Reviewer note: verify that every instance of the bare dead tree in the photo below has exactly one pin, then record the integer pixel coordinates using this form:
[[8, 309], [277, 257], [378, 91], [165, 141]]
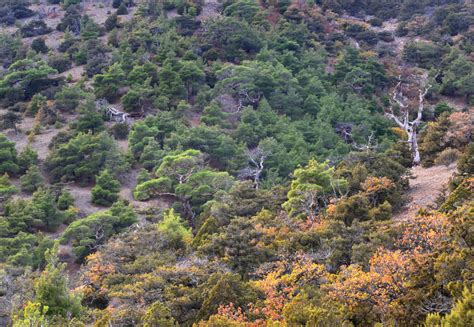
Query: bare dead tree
[[311, 204], [437, 303], [403, 118], [257, 157], [99, 238], [368, 146], [245, 99]]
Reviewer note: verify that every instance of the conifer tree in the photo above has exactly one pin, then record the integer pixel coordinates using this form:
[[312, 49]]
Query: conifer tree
[[106, 190], [32, 179], [8, 156], [52, 291]]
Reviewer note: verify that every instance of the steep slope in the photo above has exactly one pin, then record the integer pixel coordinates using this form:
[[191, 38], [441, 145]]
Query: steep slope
[[425, 186]]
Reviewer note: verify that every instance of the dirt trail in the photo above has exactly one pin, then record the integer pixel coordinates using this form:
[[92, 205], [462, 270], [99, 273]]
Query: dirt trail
[[426, 185]]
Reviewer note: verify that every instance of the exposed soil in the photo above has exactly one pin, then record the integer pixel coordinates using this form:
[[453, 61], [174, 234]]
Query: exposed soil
[[40, 141], [99, 11], [210, 9], [129, 181], [173, 13], [82, 199], [425, 187], [76, 73], [457, 103]]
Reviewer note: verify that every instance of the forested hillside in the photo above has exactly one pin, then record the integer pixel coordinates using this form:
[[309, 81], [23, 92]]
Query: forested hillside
[[216, 163]]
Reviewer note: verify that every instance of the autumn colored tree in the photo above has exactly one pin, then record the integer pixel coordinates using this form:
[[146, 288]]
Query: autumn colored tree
[[372, 295]]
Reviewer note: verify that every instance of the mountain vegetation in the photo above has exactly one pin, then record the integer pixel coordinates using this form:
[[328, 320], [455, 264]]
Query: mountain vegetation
[[216, 163]]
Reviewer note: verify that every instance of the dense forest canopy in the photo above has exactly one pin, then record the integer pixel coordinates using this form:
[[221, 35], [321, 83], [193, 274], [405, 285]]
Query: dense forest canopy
[[236, 163]]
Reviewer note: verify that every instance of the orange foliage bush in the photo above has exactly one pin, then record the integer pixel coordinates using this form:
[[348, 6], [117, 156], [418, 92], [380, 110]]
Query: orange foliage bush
[[426, 233], [378, 288]]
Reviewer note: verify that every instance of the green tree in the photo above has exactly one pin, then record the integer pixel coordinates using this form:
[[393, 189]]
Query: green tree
[[107, 85], [431, 141], [38, 101], [84, 156], [27, 158], [192, 76], [90, 30], [466, 161], [158, 315], [122, 10], [8, 156], [10, 48], [236, 39], [177, 234], [87, 234], [52, 290], [69, 98], [170, 83], [10, 119], [24, 79], [65, 200], [224, 289], [44, 211], [151, 155], [105, 192], [222, 148], [6, 188], [425, 54], [140, 135], [237, 245], [111, 22], [33, 314], [353, 208], [243, 9], [135, 99], [180, 166], [89, 120], [311, 189], [213, 115], [32, 180]]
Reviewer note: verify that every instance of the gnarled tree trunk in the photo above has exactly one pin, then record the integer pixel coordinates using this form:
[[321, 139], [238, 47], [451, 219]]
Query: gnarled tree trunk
[[403, 119]]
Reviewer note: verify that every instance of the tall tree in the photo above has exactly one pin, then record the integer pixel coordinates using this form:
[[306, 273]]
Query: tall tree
[[404, 120], [52, 290]]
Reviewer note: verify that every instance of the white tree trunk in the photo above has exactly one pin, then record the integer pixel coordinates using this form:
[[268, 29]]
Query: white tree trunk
[[410, 127], [413, 144]]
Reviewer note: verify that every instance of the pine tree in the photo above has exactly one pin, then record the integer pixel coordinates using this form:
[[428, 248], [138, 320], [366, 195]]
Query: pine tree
[[106, 190], [27, 158], [32, 179], [111, 22], [44, 211], [65, 200], [52, 291], [8, 156], [90, 120], [6, 188], [177, 235], [9, 120], [122, 10]]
